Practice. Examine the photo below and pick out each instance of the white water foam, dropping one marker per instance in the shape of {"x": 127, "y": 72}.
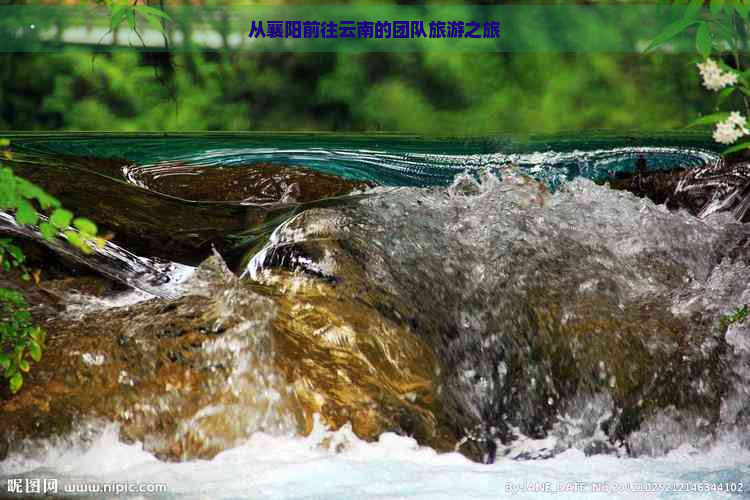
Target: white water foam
{"x": 339, "y": 465}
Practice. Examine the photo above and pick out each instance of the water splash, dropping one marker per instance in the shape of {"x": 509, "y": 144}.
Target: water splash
{"x": 153, "y": 276}
{"x": 503, "y": 277}
{"x": 513, "y": 274}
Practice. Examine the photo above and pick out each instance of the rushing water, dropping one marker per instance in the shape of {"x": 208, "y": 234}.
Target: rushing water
{"x": 500, "y": 254}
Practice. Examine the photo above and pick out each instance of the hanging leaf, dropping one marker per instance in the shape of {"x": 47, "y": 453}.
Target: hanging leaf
{"x": 723, "y": 30}
{"x": 37, "y": 335}
{"x": 703, "y": 40}
{"x": 725, "y": 94}
{"x": 26, "y": 214}
{"x": 48, "y": 230}
{"x": 737, "y": 147}
{"x": 16, "y": 253}
{"x": 710, "y": 119}
{"x": 670, "y": 32}
{"x": 16, "y": 381}
{"x": 77, "y": 241}
{"x": 131, "y": 18}
{"x": 35, "y": 351}
{"x": 4, "y": 361}
{"x": 156, "y": 24}
{"x": 693, "y": 9}
{"x": 61, "y": 218}
{"x": 85, "y": 226}
{"x": 148, "y": 11}
{"x": 742, "y": 9}
{"x": 117, "y": 15}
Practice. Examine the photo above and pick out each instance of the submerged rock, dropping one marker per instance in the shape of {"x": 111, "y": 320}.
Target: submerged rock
{"x": 723, "y": 186}
{"x": 252, "y": 183}
{"x": 155, "y": 213}
{"x": 493, "y": 318}
{"x": 194, "y": 376}
{"x": 531, "y": 302}
{"x": 188, "y": 378}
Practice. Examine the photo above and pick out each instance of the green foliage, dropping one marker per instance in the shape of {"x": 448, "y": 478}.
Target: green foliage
{"x": 739, "y": 315}
{"x": 432, "y": 92}
{"x": 428, "y": 92}
{"x": 124, "y": 11}
{"x": 670, "y": 32}
{"x": 720, "y": 29}
{"x": 11, "y": 256}
{"x": 715, "y": 27}
{"x": 709, "y": 119}
{"x": 20, "y": 341}
{"x": 25, "y": 200}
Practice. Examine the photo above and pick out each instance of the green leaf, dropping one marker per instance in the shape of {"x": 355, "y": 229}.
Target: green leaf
{"x": 61, "y": 218}
{"x": 15, "y": 383}
{"x": 4, "y": 361}
{"x": 724, "y": 31}
{"x": 27, "y": 189}
{"x": 715, "y": 7}
{"x": 156, "y": 24}
{"x": 36, "y": 351}
{"x": 703, "y": 40}
{"x": 737, "y": 147}
{"x": 131, "y": 18}
{"x": 18, "y": 352}
{"x": 84, "y": 225}
{"x": 148, "y": 11}
{"x": 710, "y": 119}
{"x": 693, "y": 9}
{"x": 16, "y": 253}
{"x": 724, "y": 94}
{"x": 725, "y": 66}
{"x": 75, "y": 239}
{"x": 37, "y": 335}
{"x": 742, "y": 9}
{"x": 4, "y": 143}
{"x": 117, "y": 15}
{"x": 12, "y": 370}
{"x": 26, "y": 214}
{"x": 8, "y": 191}
{"x": 48, "y": 230}
{"x": 670, "y": 32}
{"x": 47, "y": 201}
{"x": 24, "y": 366}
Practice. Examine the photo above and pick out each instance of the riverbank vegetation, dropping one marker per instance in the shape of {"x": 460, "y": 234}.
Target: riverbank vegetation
{"x": 20, "y": 340}
{"x": 436, "y": 93}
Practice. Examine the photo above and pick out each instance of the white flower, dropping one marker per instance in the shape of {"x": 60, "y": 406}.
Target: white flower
{"x": 715, "y": 78}
{"x": 731, "y": 129}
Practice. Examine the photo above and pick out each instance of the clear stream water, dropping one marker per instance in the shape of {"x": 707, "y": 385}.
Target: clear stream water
{"x": 458, "y": 214}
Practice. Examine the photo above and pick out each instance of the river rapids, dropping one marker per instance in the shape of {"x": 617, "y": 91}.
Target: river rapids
{"x": 349, "y": 317}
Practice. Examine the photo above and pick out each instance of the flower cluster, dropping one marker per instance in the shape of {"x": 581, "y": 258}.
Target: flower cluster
{"x": 715, "y": 78}
{"x": 731, "y": 129}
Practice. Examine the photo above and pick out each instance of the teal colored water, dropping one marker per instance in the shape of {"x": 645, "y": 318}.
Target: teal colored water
{"x": 177, "y": 197}
{"x": 391, "y": 160}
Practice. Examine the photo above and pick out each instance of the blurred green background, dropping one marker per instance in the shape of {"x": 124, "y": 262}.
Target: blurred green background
{"x": 424, "y": 92}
